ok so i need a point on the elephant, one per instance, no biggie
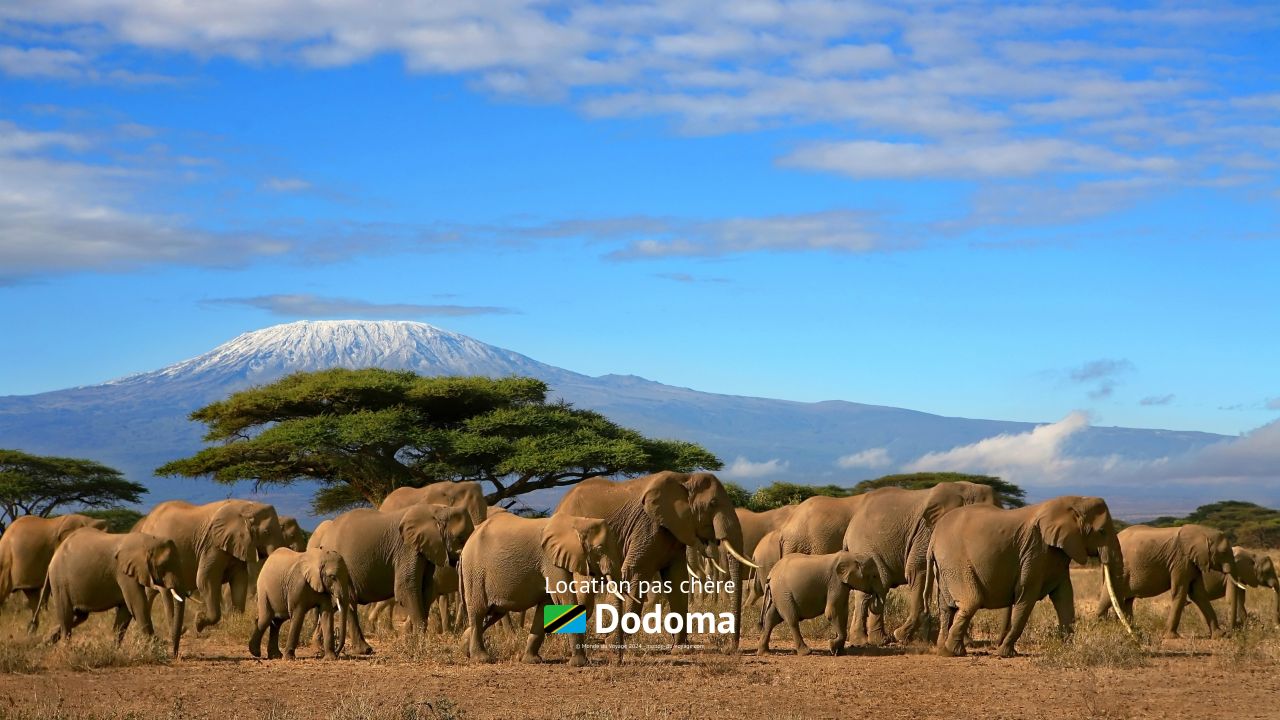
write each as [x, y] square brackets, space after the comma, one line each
[655, 517]
[1252, 570]
[893, 526]
[92, 571]
[394, 555]
[290, 584]
[467, 495]
[1191, 561]
[984, 557]
[806, 586]
[218, 542]
[767, 554]
[28, 545]
[755, 525]
[295, 538]
[510, 561]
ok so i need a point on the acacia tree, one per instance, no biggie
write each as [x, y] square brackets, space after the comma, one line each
[363, 433]
[1007, 494]
[39, 485]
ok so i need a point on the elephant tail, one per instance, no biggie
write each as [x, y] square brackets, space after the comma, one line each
[768, 602]
[44, 597]
[929, 580]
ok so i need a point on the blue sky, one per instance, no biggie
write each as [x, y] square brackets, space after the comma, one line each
[1004, 211]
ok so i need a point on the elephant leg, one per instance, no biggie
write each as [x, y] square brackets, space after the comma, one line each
[951, 642]
[296, 614]
[792, 619]
[537, 634]
[239, 582]
[858, 624]
[166, 604]
[273, 641]
[1017, 623]
[1104, 604]
[915, 610]
[121, 623]
[677, 574]
[331, 649]
[1004, 620]
[135, 602]
[477, 616]
[770, 618]
[359, 646]
[837, 612]
[1063, 598]
[1200, 597]
[1177, 600]
[260, 629]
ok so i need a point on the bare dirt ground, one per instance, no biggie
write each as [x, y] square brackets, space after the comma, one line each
[1099, 674]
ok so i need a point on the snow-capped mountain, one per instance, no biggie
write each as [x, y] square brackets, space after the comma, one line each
[264, 355]
[139, 422]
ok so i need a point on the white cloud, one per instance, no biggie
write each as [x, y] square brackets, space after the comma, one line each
[836, 231]
[746, 469]
[286, 185]
[1017, 158]
[1036, 456]
[872, 458]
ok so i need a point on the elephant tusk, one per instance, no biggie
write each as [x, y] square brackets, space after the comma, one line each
[175, 595]
[1115, 601]
[619, 596]
[717, 566]
[692, 574]
[738, 555]
[1237, 582]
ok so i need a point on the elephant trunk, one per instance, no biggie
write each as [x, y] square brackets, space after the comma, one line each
[175, 632]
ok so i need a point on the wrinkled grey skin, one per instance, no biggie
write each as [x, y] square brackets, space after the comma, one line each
[217, 542]
[1252, 570]
[26, 548]
[894, 526]
[655, 518]
[989, 558]
[394, 555]
[94, 571]
[510, 561]
[806, 586]
[292, 583]
[1191, 561]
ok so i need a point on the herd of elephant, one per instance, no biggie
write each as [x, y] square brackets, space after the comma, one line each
[441, 543]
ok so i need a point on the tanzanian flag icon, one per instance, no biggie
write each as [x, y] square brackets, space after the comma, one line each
[564, 618]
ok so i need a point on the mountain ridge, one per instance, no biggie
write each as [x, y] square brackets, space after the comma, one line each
[138, 422]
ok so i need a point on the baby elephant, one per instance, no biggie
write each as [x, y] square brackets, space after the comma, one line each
[290, 584]
[92, 571]
[806, 586]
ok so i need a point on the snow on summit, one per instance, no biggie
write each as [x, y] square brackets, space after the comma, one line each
[266, 354]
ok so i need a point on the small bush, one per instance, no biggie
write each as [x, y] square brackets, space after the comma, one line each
[20, 654]
[1094, 644]
[101, 650]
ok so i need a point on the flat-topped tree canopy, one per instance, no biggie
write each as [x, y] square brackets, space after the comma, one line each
[40, 485]
[363, 433]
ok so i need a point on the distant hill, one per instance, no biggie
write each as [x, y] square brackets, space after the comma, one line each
[138, 422]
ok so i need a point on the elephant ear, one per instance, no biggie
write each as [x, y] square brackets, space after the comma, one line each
[1060, 527]
[423, 527]
[1198, 548]
[228, 530]
[942, 499]
[565, 544]
[312, 567]
[850, 568]
[666, 500]
[133, 558]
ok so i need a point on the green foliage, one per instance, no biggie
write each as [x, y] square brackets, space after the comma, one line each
[38, 485]
[1008, 494]
[1245, 523]
[363, 433]
[782, 493]
[118, 519]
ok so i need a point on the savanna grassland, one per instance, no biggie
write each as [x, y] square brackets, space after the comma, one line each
[1100, 673]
